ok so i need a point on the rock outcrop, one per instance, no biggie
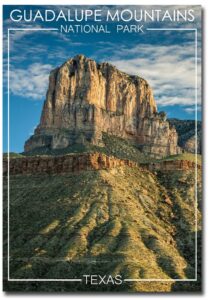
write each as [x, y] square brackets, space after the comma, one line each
[63, 164]
[85, 98]
[86, 162]
[187, 131]
[172, 165]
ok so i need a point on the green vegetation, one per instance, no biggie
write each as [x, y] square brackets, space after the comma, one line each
[122, 221]
[115, 146]
[125, 221]
[124, 149]
[13, 155]
[184, 156]
[112, 145]
[181, 186]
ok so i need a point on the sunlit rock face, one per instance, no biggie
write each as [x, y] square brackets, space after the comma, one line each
[85, 98]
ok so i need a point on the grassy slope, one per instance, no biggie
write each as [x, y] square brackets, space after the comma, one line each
[122, 221]
[112, 145]
[184, 156]
[125, 221]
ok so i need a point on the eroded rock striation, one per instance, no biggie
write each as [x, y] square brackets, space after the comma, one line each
[63, 164]
[86, 162]
[173, 165]
[85, 98]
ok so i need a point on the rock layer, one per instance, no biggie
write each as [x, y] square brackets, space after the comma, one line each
[86, 162]
[85, 98]
[173, 165]
[63, 164]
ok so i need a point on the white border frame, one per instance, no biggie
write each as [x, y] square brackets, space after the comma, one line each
[8, 179]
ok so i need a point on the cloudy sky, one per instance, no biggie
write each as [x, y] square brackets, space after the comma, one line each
[166, 59]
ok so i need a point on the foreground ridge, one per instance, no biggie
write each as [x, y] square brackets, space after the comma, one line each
[118, 220]
[64, 164]
[86, 162]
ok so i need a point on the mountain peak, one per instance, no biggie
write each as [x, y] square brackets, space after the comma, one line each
[80, 57]
[85, 99]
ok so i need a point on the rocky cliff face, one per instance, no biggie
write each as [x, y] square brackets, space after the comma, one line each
[187, 130]
[86, 162]
[85, 98]
[63, 164]
[173, 165]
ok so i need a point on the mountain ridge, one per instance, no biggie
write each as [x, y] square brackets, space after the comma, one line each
[103, 188]
[187, 130]
[85, 99]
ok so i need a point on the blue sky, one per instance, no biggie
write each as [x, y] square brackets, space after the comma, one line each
[164, 58]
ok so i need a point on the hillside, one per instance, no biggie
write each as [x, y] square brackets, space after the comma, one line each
[112, 146]
[125, 220]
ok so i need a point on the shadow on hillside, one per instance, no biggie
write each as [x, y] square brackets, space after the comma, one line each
[185, 237]
[192, 286]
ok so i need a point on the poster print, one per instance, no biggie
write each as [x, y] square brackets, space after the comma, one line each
[102, 148]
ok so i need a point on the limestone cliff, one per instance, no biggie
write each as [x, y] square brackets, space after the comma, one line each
[85, 98]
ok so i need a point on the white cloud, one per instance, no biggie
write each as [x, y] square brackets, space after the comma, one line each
[170, 70]
[171, 100]
[30, 83]
[192, 109]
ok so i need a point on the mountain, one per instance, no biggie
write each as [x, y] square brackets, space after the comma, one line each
[102, 190]
[85, 99]
[186, 130]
